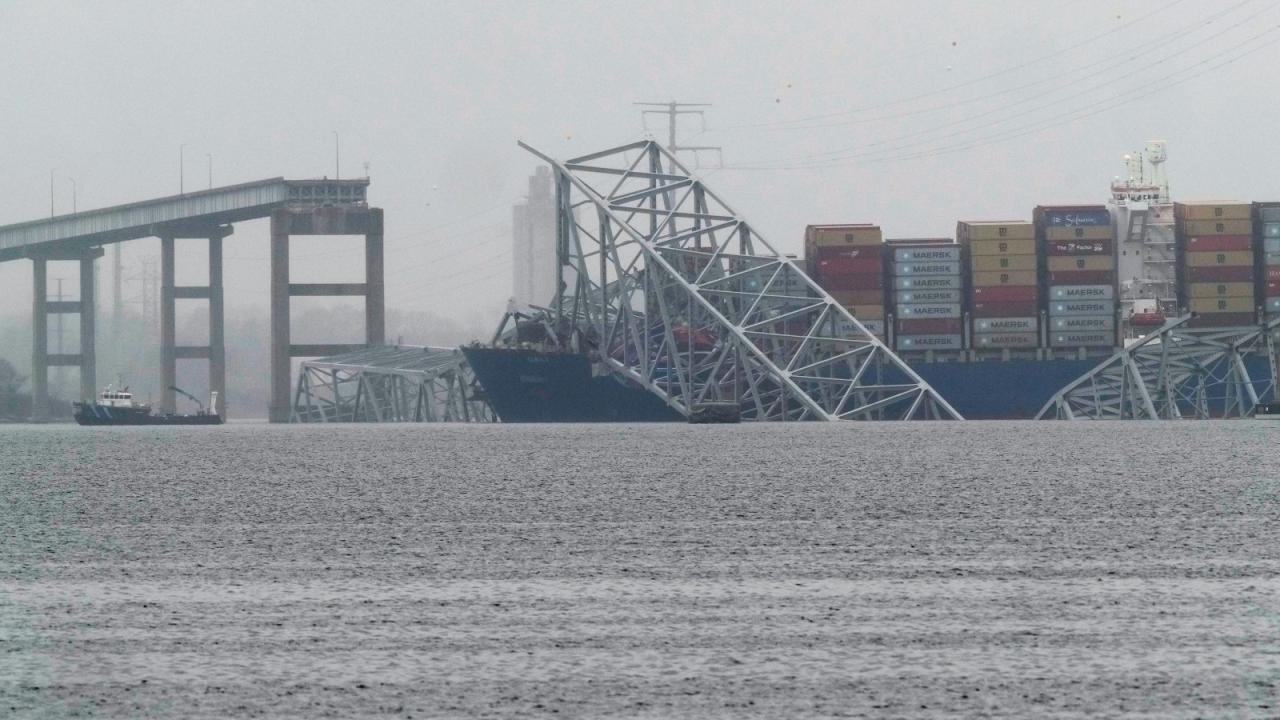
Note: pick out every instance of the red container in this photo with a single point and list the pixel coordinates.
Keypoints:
(1219, 243)
(1273, 289)
(1082, 277)
(1225, 273)
(1005, 293)
(861, 252)
(1004, 309)
(849, 265)
(1220, 320)
(930, 326)
(855, 281)
(1079, 247)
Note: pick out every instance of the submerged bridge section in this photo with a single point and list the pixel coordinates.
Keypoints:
(1177, 373)
(389, 384)
(295, 207)
(666, 285)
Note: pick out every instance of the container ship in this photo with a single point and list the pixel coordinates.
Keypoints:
(999, 317)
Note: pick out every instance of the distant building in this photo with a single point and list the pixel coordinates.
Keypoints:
(533, 229)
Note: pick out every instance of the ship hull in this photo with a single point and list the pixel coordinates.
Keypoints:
(95, 414)
(530, 386)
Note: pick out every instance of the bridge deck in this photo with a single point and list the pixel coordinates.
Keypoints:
(194, 212)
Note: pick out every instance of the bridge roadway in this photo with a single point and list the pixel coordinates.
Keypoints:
(295, 207)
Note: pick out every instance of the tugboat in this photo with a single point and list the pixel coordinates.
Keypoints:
(117, 407)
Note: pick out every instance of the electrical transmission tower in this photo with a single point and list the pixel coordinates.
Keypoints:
(673, 110)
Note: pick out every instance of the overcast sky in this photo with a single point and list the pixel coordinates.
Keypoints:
(940, 111)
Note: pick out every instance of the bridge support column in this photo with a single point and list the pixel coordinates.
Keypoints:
(42, 308)
(40, 341)
(170, 292)
(327, 220)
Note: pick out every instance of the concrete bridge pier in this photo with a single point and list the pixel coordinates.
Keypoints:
(43, 307)
(323, 220)
(170, 292)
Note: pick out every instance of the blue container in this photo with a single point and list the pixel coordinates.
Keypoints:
(1083, 323)
(927, 268)
(1081, 339)
(928, 282)
(929, 342)
(921, 312)
(909, 297)
(1077, 218)
(1006, 325)
(1081, 292)
(1081, 307)
(942, 253)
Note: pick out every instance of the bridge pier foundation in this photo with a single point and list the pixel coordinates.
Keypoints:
(42, 308)
(170, 292)
(325, 220)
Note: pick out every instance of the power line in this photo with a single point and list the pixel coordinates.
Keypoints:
(998, 73)
(673, 110)
(853, 152)
(1094, 109)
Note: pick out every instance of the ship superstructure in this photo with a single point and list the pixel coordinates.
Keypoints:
(1142, 215)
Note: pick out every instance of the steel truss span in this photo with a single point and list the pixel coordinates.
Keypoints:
(389, 384)
(1176, 373)
(669, 287)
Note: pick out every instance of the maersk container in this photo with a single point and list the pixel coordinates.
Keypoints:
(929, 342)
(1006, 325)
(1238, 273)
(1081, 339)
(1059, 234)
(928, 282)
(929, 326)
(1011, 277)
(1081, 262)
(875, 327)
(1081, 307)
(1195, 228)
(1271, 246)
(1074, 216)
(1082, 292)
(1219, 243)
(1006, 340)
(1269, 214)
(1003, 309)
(1214, 290)
(1271, 258)
(949, 310)
(1023, 246)
(1271, 230)
(1017, 293)
(927, 254)
(937, 268)
(1079, 247)
(906, 297)
(1273, 305)
(1001, 263)
(1082, 277)
(1083, 323)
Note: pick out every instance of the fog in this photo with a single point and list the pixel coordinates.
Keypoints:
(933, 112)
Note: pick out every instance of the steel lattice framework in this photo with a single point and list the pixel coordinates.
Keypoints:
(389, 384)
(1174, 373)
(677, 292)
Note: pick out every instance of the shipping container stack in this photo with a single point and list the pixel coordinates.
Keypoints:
(1216, 261)
(1079, 250)
(848, 262)
(927, 294)
(1004, 301)
(1267, 243)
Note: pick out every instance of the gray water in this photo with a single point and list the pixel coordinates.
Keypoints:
(923, 570)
